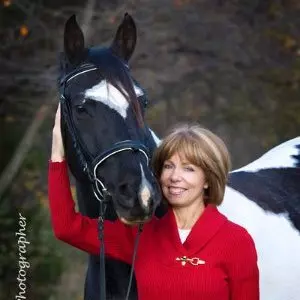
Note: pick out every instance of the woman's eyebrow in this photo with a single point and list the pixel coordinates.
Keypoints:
(186, 163)
(168, 161)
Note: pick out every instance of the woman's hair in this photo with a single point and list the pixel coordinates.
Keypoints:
(202, 148)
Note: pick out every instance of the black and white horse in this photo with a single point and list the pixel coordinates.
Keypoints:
(263, 197)
(108, 146)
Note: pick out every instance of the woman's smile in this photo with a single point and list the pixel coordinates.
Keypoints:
(176, 191)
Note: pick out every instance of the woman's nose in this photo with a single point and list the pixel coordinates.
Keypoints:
(175, 175)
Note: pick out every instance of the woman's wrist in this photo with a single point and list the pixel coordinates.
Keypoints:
(57, 151)
(56, 157)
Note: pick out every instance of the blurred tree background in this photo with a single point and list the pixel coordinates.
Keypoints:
(232, 65)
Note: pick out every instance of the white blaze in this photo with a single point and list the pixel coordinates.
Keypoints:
(145, 192)
(109, 95)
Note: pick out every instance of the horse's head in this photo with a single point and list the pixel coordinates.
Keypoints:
(107, 143)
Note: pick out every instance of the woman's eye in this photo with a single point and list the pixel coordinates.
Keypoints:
(190, 169)
(167, 166)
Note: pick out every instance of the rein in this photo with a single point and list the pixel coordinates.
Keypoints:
(89, 167)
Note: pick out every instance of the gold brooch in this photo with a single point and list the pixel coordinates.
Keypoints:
(195, 261)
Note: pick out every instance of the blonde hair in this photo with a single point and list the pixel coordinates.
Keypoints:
(202, 148)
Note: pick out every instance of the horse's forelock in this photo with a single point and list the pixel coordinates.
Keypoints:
(131, 97)
(116, 72)
(122, 81)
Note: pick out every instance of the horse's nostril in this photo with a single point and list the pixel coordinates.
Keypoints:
(124, 189)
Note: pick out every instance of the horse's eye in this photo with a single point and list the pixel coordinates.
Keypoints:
(80, 108)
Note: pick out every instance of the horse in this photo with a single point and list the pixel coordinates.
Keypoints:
(108, 145)
(263, 196)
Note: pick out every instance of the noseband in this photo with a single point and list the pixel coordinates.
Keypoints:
(90, 165)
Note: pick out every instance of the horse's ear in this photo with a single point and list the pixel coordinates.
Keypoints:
(73, 41)
(125, 38)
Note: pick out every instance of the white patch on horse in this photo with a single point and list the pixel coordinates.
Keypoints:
(278, 157)
(138, 91)
(145, 190)
(109, 95)
(277, 243)
(155, 138)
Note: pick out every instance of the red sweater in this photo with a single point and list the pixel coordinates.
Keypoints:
(228, 269)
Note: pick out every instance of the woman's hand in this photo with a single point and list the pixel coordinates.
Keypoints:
(58, 151)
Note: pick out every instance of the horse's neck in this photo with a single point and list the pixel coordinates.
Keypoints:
(240, 210)
(85, 202)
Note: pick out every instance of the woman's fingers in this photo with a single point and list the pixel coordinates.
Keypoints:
(57, 153)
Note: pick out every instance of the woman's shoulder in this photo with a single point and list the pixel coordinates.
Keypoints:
(237, 234)
(235, 228)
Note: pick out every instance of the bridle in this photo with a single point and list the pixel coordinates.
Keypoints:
(90, 165)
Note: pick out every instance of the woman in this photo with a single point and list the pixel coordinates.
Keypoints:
(193, 252)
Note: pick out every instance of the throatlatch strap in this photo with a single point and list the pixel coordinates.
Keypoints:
(102, 251)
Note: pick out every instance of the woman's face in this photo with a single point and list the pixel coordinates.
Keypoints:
(182, 183)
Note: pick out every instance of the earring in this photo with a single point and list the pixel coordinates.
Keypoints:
(205, 186)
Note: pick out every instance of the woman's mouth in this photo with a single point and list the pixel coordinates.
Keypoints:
(176, 190)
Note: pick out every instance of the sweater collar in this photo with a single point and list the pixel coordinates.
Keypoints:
(207, 225)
